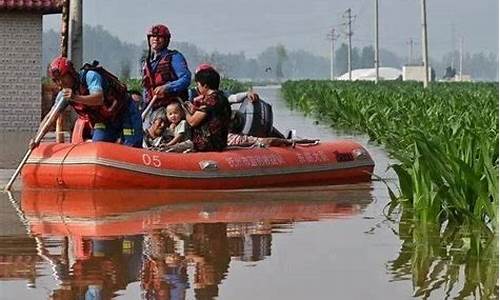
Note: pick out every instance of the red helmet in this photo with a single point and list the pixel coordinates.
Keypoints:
(60, 66)
(204, 66)
(159, 30)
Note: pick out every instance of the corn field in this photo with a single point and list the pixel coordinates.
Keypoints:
(445, 138)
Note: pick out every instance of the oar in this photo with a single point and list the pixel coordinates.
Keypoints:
(54, 112)
(148, 108)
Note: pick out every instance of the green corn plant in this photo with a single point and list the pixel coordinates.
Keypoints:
(446, 138)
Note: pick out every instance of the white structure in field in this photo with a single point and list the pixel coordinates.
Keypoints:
(415, 72)
(369, 74)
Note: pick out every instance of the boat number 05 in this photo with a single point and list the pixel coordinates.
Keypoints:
(149, 160)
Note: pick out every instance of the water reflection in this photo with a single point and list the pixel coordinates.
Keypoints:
(18, 259)
(452, 261)
(169, 243)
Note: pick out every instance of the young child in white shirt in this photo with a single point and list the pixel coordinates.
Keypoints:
(179, 129)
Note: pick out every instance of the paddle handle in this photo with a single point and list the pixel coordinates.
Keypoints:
(59, 106)
(52, 116)
(59, 129)
(148, 108)
(18, 170)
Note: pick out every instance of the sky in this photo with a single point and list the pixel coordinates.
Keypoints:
(232, 26)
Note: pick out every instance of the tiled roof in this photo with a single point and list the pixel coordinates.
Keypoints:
(43, 6)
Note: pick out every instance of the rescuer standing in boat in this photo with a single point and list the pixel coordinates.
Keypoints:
(100, 99)
(165, 72)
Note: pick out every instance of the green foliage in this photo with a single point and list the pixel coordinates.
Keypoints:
(446, 138)
(230, 86)
(134, 84)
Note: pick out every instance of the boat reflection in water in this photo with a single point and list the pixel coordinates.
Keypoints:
(98, 242)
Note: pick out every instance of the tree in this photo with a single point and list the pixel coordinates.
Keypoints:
(341, 59)
(367, 57)
(112, 53)
(266, 61)
(355, 58)
(281, 57)
(390, 59)
(125, 70)
(301, 64)
(251, 69)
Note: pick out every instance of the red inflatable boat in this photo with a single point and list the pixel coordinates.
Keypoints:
(112, 166)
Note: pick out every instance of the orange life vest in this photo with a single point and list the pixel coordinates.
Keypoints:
(115, 96)
(164, 73)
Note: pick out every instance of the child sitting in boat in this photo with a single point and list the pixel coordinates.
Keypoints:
(179, 129)
(169, 131)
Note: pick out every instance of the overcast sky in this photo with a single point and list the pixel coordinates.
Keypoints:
(251, 26)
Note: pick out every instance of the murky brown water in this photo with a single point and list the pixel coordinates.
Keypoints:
(297, 243)
(13, 145)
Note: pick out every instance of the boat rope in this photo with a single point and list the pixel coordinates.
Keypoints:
(59, 177)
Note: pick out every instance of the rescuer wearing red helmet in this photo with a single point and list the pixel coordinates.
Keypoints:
(100, 99)
(165, 72)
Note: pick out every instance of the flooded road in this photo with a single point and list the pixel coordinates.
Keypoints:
(295, 243)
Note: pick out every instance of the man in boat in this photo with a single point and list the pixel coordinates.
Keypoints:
(138, 99)
(165, 72)
(99, 99)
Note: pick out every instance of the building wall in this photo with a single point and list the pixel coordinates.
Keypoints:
(20, 71)
(416, 73)
(465, 77)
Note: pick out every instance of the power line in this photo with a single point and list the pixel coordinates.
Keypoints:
(410, 44)
(347, 15)
(424, 44)
(376, 58)
(461, 49)
(332, 36)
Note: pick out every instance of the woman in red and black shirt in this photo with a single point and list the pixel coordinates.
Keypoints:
(209, 114)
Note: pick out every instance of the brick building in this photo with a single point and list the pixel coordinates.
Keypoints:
(21, 62)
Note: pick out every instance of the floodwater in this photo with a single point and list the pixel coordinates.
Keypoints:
(331, 242)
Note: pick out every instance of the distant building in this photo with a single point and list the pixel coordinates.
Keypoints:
(464, 77)
(416, 73)
(369, 74)
(20, 62)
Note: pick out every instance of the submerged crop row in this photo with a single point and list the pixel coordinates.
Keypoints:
(446, 138)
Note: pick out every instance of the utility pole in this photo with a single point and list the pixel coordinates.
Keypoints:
(76, 40)
(376, 58)
(76, 32)
(349, 35)
(410, 51)
(424, 44)
(64, 53)
(64, 28)
(332, 37)
(461, 49)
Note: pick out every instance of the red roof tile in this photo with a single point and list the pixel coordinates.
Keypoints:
(43, 6)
